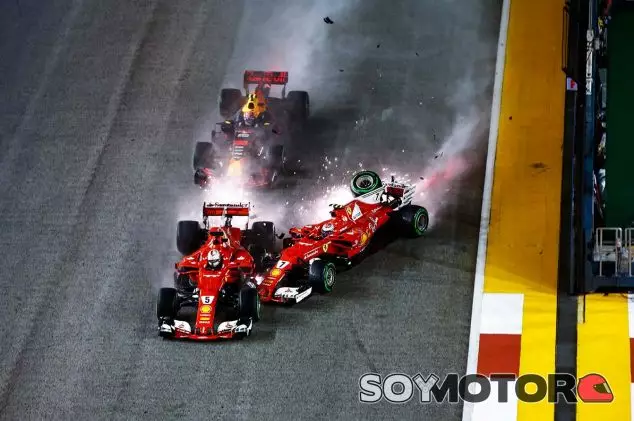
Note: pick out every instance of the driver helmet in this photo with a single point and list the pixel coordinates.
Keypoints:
(256, 103)
(214, 259)
(327, 229)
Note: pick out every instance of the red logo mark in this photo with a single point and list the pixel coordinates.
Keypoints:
(594, 388)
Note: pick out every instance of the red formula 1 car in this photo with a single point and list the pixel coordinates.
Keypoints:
(215, 295)
(313, 253)
(250, 144)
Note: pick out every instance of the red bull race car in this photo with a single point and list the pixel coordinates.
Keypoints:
(214, 294)
(250, 143)
(313, 254)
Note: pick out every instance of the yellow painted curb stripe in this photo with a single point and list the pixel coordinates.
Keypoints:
(603, 347)
(523, 245)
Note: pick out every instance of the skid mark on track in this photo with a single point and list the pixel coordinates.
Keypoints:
(50, 66)
(363, 350)
(107, 123)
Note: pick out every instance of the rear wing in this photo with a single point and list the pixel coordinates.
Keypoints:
(404, 192)
(401, 191)
(226, 209)
(259, 76)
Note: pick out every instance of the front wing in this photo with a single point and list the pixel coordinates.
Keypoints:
(226, 330)
(284, 295)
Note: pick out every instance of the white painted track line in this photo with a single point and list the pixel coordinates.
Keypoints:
(478, 287)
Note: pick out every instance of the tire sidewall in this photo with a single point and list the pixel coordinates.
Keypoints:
(420, 213)
(329, 273)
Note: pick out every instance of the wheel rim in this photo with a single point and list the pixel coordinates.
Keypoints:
(364, 181)
(421, 222)
(329, 278)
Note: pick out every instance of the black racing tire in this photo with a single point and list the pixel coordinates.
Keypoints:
(166, 303)
(249, 304)
(415, 220)
(189, 237)
(322, 276)
(299, 104)
(229, 103)
(264, 231)
(257, 252)
(203, 155)
(364, 182)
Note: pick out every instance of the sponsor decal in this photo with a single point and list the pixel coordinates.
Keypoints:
(476, 388)
(311, 253)
(356, 213)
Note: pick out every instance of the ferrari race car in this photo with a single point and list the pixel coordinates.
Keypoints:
(313, 254)
(251, 141)
(214, 294)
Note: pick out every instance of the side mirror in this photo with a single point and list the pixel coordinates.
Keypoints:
(282, 235)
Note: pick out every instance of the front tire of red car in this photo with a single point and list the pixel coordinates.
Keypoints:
(249, 304)
(322, 276)
(166, 307)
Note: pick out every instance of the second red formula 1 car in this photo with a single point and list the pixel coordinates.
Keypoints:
(214, 281)
(313, 253)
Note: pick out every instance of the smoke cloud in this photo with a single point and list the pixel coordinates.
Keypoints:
(391, 115)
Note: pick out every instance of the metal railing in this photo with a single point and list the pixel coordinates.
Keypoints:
(613, 247)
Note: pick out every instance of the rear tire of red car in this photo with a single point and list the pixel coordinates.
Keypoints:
(189, 237)
(249, 303)
(322, 276)
(264, 234)
(166, 303)
(257, 252)
(230, 102)
(364, 182)
(415, 220)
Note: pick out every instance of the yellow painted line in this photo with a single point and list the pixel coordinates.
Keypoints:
(523, 241)
(603, 346)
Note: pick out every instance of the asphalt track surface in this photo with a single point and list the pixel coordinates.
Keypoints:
(101, 103)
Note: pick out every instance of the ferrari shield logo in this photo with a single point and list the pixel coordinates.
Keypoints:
(349, 211)
(325, 247)
(364, 238)
(276, 272)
